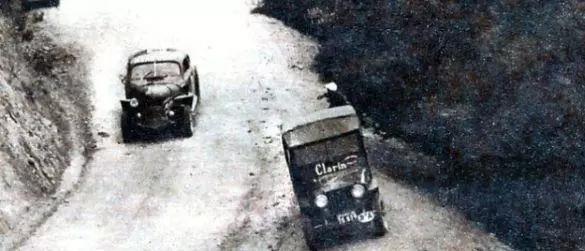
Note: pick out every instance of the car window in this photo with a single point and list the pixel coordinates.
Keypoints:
(155, 69)
(332, 163)
(327, 150)
(310, 154)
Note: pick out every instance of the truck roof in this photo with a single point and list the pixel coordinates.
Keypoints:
(320, 125)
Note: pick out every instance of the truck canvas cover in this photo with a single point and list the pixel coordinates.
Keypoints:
(321, 125)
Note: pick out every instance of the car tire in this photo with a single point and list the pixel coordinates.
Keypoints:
(185, 125)
(380, 227)
(310, 238)
(128, 129)
(312, 246)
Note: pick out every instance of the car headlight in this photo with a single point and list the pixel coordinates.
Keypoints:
(357, 191)
(321, 201)
(134, 102)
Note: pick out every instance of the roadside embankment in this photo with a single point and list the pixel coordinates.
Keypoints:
(44, 124)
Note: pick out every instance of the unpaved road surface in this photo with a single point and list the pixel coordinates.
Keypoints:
(227, 187)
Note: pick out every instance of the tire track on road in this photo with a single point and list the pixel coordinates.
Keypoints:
(253, 203)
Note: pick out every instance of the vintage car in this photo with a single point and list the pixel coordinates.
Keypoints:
(162, 92)
(28, 5)
(331, 177)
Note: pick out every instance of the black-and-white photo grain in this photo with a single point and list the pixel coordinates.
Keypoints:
(292, 125)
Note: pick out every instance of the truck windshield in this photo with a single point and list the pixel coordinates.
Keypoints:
(331, 164)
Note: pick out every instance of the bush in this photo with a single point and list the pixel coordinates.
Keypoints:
(468, 81)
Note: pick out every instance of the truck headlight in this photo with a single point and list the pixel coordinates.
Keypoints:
(357, 191)
(134, 102)
(321, 201)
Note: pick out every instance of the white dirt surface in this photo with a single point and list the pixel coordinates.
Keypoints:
(227, 187)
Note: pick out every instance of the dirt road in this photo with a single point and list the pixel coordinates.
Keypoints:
(225, 188)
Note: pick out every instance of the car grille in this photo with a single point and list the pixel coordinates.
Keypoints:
(340, 200)
(154, 116)
(153, 111)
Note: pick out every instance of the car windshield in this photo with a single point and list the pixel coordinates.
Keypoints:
(154, 70)
(331, 164)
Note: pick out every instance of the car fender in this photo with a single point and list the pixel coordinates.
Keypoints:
(184, 99)
(373, 184)
(125, 104)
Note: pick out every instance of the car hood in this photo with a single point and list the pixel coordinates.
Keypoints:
(158, 89)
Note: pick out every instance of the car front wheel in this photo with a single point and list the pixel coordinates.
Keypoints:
(380, 227)
(185, 125)
(313, 243)
(128, 130)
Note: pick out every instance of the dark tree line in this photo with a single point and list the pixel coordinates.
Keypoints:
(505, 75)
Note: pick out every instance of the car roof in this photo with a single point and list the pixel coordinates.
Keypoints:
(157, 54)
(320, 125)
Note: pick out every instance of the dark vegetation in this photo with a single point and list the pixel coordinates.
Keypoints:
(493, 90)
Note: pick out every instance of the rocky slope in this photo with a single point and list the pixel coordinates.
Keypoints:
(44, 114)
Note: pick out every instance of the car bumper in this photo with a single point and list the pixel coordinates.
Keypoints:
(357, 217)
(152, 118)
(150, 122)
(154, 124)
(354, 227)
